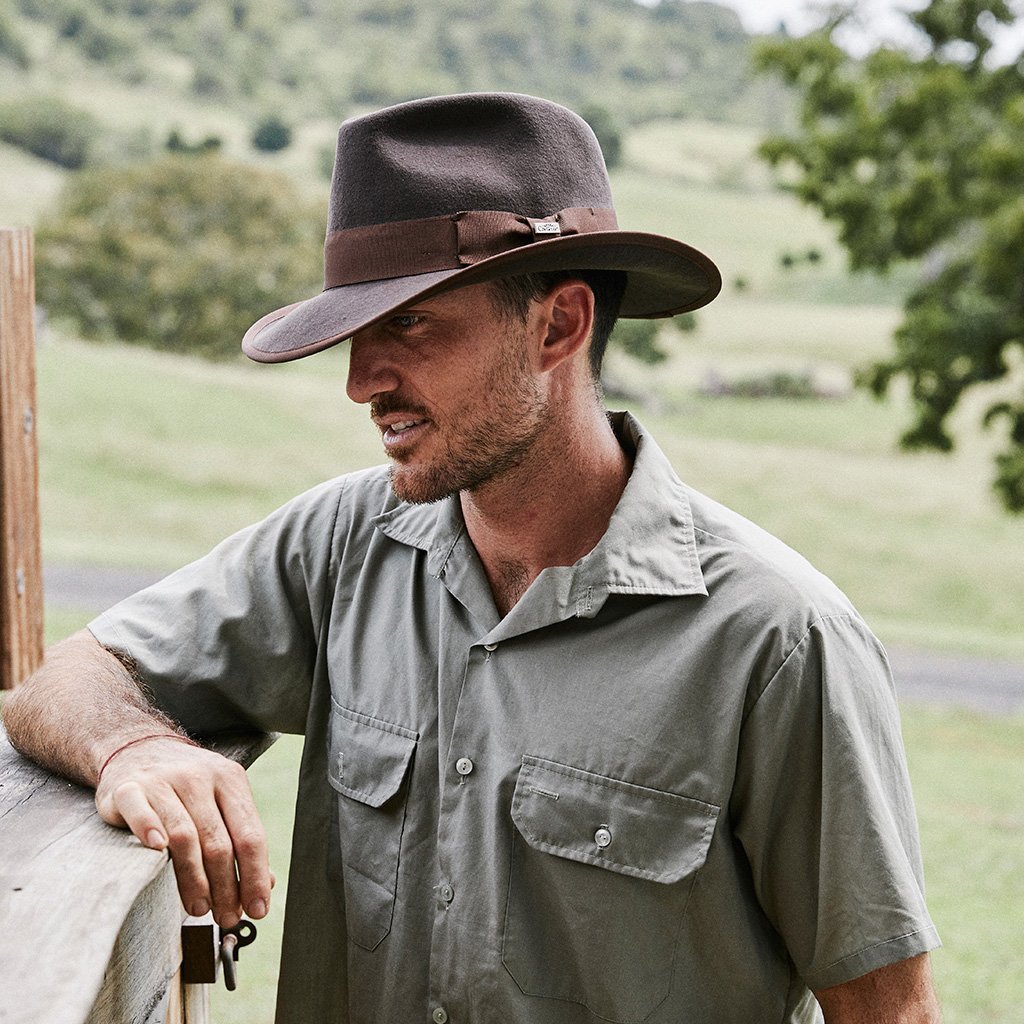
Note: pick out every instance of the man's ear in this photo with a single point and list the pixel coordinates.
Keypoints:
(566, 320)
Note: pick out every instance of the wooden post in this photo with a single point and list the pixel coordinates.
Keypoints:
(21, 572)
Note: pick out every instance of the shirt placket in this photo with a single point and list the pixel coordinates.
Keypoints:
(478, 736)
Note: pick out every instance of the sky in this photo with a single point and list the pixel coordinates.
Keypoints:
(881, 19)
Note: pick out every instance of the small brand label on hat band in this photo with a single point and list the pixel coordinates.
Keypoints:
(546, 227)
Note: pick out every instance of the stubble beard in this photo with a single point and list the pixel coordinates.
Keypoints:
(498, 442)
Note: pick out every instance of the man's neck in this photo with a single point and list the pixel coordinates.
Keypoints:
(551, 510)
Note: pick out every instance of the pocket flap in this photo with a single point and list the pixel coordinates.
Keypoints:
(646, 833)
(367, 757)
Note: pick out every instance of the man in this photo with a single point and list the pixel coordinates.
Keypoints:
(581, 745)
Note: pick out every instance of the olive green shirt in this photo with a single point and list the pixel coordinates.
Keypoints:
(668, 786)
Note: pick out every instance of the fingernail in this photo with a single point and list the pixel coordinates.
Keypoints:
(155, 840)
(258, 908)
(200, 907)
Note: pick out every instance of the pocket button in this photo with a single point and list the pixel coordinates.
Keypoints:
(603, 837)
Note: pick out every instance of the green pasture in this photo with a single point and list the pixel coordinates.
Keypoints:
(148, 459)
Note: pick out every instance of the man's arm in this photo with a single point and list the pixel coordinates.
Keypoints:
(83, 705)
(901, 993)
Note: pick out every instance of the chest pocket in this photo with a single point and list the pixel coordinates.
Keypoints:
(368, 763)
(601, 874)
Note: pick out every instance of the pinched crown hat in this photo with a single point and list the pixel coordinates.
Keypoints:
(444, 192)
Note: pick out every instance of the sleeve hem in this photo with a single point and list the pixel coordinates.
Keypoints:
(882, 954)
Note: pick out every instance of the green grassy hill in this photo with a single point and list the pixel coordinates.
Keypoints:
(313, 58)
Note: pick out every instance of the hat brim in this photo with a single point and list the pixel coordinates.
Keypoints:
(664, 278)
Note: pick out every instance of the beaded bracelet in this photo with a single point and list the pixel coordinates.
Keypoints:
(142, 739)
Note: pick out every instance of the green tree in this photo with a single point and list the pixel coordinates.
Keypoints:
(921, 156)
(181, 254)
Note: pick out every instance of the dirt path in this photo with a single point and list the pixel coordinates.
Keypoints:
(988, 685)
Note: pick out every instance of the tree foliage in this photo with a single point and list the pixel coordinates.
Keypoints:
(181, 254)
(921, 156)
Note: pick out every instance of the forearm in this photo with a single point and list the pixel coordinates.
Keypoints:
(84, 705)
(77, 708)
(901, 993)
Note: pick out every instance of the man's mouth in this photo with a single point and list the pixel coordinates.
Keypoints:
(401, 430)
(400, 424)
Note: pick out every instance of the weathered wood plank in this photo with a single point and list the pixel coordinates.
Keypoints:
(89, 918)
(144, 961)
(21, 573)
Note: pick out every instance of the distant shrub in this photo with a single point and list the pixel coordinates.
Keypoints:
(608, 133)
(272, 135)
(789, 260)
(639, 338)
(771, 384)
(97, 40)
(50, 129)
(176, 144)
(181, 253)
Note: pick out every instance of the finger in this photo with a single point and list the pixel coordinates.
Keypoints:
(186, 852)
(249, 841)
(126, 806)
(218, 855)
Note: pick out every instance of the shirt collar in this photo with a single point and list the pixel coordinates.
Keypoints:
(649, 547)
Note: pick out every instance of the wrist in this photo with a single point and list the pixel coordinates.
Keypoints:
(135, 742)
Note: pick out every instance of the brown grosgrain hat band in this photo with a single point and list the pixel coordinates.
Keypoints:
(401, 248)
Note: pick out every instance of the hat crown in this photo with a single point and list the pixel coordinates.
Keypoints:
(478, 151)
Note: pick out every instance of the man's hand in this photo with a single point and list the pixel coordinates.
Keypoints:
(82, 715)
(198, 805)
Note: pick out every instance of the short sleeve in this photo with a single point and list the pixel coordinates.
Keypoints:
(823, 808)
(230, 641)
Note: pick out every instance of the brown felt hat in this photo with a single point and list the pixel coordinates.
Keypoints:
(444, 192)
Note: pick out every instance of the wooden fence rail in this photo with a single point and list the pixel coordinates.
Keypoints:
(90, 920)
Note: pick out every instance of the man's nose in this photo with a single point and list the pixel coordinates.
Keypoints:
(370, 371)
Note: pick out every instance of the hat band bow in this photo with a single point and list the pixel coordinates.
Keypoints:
(402, 248)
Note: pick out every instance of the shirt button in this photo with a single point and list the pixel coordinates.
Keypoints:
(440, 1016)
(490, 647)
(447, 893)
(603, 837)
(463, 766)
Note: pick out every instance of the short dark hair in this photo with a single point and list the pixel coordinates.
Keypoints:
(513, 296)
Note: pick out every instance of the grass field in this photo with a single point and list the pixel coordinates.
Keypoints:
(147, 460)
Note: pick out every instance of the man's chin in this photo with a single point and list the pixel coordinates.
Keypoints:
(418, 486)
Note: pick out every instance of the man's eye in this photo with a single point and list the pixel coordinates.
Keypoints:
(405, 320)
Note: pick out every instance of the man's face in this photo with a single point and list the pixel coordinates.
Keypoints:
(450, 387)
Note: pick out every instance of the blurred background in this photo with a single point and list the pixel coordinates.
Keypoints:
(857, 172)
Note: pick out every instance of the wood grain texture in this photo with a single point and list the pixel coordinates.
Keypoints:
(21, 572)
(89, 918)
